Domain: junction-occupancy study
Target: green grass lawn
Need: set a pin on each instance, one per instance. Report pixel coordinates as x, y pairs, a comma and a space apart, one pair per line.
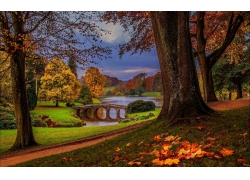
151, 94
47, 136
145, 145
106, 89
61, 114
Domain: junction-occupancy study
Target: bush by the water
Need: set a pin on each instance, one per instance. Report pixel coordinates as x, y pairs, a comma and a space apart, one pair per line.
137, 118
68, 104
140, 106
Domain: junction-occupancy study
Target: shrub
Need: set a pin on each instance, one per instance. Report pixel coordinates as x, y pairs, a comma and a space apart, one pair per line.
69, 104
7, 124
38, 122
140, 106
119, 94
125, 120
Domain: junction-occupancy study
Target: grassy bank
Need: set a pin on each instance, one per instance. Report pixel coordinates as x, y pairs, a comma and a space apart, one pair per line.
61, 114
47, 136
151, 94
218, 141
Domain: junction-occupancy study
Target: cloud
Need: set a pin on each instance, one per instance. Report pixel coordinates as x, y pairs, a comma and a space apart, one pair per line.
116, 36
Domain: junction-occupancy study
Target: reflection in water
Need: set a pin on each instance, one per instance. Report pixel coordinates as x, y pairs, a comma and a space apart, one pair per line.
119, 101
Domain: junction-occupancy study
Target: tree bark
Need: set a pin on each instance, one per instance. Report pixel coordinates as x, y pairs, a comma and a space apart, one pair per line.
207, 62
25, 135
239, 89
182, 97
56, 102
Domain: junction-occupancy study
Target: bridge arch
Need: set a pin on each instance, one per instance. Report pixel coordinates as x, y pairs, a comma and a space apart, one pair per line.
82, 111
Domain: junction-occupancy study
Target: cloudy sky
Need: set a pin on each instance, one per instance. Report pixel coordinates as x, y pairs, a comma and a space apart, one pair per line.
128, 66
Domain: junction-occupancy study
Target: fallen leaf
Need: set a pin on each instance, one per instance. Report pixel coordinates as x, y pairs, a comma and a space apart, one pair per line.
117, 149
138, 163
157, 138
166, 146
209, 154
211, 139
244, 135
217, 156
171, 161
183, 151
226, 152
169, 138
241, 160
128, 144
158, 162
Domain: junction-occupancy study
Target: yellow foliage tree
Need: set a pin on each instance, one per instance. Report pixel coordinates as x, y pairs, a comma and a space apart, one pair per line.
95, 81
58, 83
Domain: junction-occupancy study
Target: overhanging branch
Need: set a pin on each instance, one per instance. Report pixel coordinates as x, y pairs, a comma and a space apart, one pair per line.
38, 23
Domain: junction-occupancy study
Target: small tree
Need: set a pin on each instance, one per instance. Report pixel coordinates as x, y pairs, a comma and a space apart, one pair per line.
85, 96
58, 83
95, 81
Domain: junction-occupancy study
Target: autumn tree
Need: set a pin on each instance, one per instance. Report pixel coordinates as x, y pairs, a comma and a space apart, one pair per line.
212, 33
51, 34
58, 83
85, 96
95, 81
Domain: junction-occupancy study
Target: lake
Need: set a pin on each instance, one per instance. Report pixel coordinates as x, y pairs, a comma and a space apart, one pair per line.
119, 100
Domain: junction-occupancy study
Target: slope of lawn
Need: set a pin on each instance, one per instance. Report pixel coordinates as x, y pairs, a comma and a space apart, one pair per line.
47, 136
106, 89
217, 141
151, 94
61, 114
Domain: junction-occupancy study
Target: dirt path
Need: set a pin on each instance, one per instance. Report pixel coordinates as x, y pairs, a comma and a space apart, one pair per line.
226, 105
29, 154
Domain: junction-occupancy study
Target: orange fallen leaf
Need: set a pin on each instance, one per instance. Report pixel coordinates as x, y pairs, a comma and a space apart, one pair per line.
226, 152
171, 161
241, 160
157, 138
217, 156
209, 154
158, 162
117, 149
138, 163
169, 138
211, 139
128, 144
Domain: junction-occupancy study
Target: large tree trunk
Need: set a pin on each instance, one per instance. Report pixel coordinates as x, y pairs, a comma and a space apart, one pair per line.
25, 135
210, 88
206, 72
182, 97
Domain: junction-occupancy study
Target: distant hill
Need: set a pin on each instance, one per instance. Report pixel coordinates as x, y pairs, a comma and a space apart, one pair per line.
111, 81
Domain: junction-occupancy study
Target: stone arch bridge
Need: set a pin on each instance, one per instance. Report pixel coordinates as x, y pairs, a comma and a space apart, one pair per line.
82, 111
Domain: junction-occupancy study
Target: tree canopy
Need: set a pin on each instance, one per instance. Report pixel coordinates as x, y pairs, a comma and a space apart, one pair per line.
58, 83
95, 81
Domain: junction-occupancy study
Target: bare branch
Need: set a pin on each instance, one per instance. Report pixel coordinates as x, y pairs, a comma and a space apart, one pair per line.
5, 60
4, 72
38, 23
